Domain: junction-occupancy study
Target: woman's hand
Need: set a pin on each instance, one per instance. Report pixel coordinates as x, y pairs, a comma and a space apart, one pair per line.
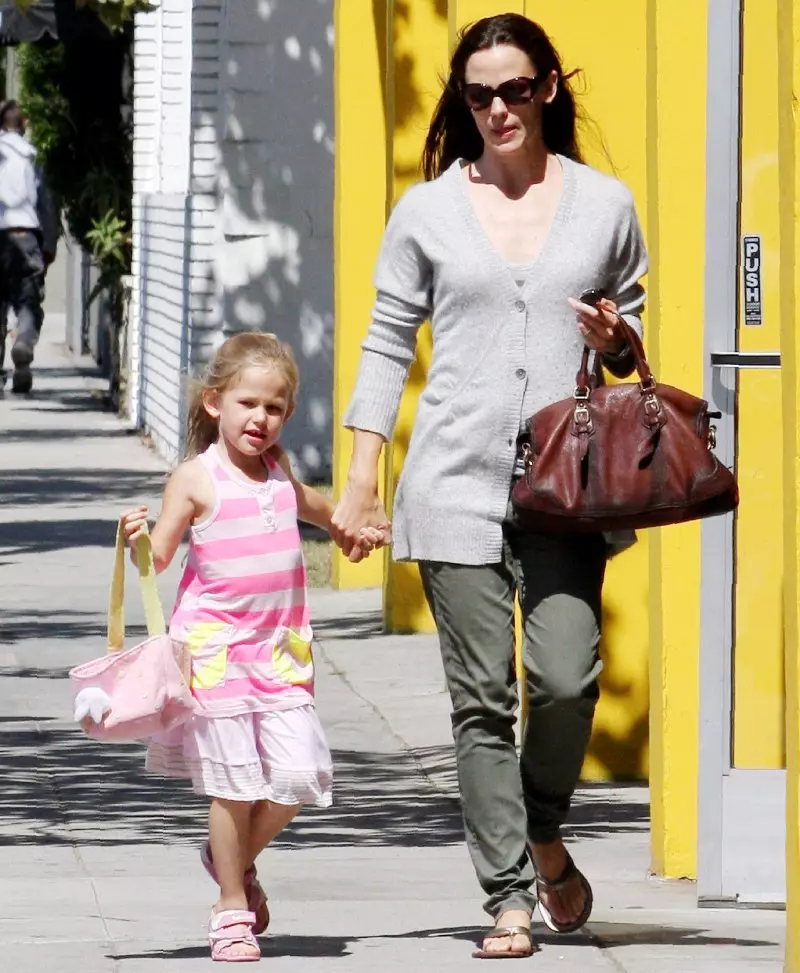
134, 524
600, 326
359, 523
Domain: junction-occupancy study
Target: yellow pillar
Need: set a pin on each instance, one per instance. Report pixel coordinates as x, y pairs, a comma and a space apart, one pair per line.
418, 59
612, 138
677, 42
789, 150
360, 202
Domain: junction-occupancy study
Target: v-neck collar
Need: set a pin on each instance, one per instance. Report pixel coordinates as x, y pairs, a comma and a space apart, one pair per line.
559, 220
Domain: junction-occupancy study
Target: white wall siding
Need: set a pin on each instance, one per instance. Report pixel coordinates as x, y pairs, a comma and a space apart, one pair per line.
173, 221
205, 303
234, 200
164, 233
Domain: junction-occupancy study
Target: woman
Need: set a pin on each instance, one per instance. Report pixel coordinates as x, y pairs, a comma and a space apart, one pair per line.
494, 248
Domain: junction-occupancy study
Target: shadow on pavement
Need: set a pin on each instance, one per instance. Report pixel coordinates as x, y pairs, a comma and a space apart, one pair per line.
614, 935
331, 947
50, 434
361, 625
67, 371
18, 626
74, 486
309, 947
61, 788
598, 811
40, 536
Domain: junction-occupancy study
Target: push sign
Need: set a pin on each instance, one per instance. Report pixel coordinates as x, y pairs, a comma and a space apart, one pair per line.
751, 274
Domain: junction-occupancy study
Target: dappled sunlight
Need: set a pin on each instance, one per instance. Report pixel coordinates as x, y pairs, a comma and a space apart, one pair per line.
275, 138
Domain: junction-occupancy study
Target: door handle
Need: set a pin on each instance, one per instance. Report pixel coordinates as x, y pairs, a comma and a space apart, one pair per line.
745, 359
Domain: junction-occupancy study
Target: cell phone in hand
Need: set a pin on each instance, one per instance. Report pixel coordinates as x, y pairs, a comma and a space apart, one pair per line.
593, 296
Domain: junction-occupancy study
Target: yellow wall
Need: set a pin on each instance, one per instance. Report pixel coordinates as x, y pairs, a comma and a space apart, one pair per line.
612, 140
417, 55
619, 746
361, 187
644, 94
789, 142
419, 58
676, 132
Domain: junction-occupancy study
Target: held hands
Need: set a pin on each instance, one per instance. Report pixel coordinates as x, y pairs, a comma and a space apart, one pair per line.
369, 539
600, 326
364, 541
359, 524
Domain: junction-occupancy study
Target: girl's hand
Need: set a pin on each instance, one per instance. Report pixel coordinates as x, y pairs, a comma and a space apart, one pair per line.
359, 507
369, 539
134, 524
600, 326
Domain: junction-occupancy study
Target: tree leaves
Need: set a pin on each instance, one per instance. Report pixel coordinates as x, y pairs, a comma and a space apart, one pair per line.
114, 13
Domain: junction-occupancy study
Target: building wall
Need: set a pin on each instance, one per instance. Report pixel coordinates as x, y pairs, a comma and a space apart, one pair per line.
162, 61
651, 600
274, 259
233, 202
176, 100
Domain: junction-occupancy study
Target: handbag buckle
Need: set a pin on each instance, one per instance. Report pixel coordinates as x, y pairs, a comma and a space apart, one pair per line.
582, 418
527, 455
580, 394
712, 438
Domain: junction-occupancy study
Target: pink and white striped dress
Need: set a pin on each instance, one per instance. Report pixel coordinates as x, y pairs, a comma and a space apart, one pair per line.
241, 606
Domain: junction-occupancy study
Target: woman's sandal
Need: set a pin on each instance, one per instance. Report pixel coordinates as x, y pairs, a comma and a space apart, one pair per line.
506, 932
558, 885
256, 896
232, 928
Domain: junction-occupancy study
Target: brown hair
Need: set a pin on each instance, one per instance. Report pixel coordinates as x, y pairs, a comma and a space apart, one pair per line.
453, 133
250, 349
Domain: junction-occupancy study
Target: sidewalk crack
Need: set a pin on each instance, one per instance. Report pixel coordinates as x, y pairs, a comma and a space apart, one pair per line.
403, 744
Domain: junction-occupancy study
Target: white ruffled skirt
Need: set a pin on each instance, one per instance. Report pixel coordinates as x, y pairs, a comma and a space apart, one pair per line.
280, 756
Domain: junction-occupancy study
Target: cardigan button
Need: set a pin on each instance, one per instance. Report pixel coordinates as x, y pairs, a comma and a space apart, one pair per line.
520, 305
520, 373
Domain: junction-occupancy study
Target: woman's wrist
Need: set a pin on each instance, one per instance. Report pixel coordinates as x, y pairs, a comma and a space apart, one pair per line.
363, 477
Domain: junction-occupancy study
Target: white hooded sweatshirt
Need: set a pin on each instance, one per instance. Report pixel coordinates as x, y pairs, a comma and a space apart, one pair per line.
24, 201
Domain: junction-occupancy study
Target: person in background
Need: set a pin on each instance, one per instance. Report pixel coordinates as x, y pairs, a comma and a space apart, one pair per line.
28, 239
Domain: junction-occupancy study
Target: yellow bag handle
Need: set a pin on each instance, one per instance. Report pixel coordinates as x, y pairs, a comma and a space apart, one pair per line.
147, 584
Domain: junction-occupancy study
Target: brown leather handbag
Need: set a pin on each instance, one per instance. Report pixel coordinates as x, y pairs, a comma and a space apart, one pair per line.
621, 456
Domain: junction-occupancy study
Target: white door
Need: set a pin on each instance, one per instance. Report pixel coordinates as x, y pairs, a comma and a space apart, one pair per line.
741, 852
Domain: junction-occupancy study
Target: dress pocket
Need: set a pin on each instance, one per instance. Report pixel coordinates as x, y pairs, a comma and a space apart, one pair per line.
207, 643
292, 657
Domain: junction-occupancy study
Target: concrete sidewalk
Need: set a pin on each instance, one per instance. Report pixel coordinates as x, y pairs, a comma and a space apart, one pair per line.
98, 862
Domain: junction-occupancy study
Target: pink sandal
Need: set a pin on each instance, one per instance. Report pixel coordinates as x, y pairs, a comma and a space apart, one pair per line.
256, 896
231, 928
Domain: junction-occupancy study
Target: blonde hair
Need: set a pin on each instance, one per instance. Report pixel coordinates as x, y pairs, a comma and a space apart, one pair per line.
249, 349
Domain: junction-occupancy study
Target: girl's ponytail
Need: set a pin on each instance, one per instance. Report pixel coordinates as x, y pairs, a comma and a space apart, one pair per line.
201, 429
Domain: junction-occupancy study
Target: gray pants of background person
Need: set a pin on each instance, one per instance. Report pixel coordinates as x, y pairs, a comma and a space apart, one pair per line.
22, 273
507, 800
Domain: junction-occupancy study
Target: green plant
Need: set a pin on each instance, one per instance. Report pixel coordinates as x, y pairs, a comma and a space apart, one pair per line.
110, 243
115, 14
78, 111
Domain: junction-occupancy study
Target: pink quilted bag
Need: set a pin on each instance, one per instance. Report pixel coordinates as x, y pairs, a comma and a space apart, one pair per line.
134, 693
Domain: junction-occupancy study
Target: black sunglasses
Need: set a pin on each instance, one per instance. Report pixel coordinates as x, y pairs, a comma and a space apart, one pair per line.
515, 91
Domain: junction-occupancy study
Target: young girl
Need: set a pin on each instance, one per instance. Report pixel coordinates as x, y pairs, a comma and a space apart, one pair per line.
257, 749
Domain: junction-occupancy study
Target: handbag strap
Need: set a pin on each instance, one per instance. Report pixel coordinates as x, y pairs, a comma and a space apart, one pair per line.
640, 359
147, 583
